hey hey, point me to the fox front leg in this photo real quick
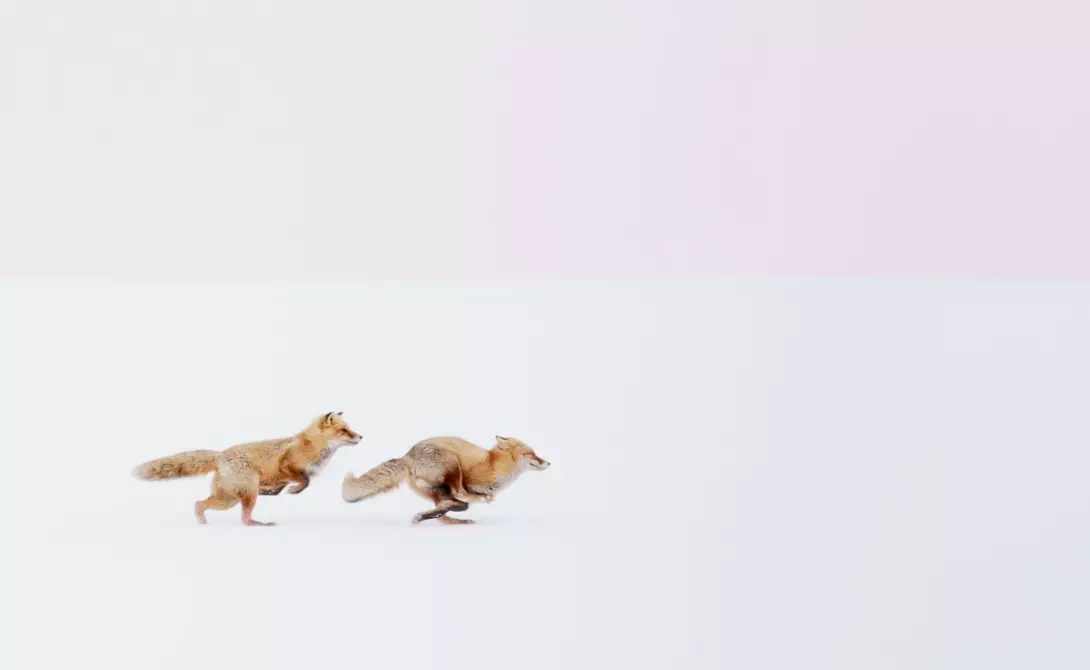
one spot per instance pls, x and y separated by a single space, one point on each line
289 473
484 494
302 481
468 497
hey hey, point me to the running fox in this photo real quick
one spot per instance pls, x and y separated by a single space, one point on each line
247 470
450 472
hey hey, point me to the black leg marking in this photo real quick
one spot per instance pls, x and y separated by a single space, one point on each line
449 505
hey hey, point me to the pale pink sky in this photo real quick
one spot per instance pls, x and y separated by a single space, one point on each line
563 139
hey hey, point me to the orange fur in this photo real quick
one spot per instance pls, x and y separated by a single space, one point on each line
245 471
449 471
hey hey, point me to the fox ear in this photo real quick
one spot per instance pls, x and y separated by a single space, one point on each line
327 417
502 440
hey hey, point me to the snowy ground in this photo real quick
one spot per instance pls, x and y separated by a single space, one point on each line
752 474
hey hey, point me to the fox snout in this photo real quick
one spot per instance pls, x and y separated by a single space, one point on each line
540 464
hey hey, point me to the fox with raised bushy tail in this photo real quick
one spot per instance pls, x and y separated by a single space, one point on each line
185 464
450 472
245 471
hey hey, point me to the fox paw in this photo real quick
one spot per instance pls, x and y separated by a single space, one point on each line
451 521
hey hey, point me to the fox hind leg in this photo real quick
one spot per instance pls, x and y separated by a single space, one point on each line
440 511
451 521
435 466
219 500
241 480
249 499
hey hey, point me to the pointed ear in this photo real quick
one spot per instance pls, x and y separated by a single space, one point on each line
327 418
502 440
340 413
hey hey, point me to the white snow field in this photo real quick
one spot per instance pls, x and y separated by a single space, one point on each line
790 474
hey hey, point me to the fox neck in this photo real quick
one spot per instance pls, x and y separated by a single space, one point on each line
313 444
504 467
323 459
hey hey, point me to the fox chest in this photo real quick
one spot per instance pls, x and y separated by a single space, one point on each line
501 482
486 489
315 468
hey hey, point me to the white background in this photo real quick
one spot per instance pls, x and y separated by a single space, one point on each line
777 474
570 138
860 443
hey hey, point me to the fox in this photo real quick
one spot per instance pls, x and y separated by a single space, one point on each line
449 471
244 471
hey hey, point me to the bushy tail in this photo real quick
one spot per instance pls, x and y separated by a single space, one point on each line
380 479
185 464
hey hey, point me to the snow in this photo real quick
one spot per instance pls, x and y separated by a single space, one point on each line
796 473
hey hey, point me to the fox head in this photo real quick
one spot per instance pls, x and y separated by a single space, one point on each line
333 427
522 453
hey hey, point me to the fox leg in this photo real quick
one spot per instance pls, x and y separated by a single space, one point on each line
274 487
438 467
456 483
441 509
292 473
249 499
451 521
459 506
219 500
302 481
240 480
